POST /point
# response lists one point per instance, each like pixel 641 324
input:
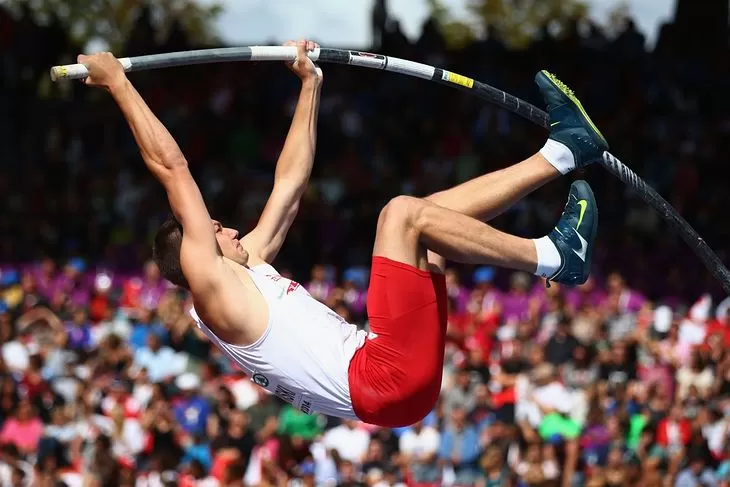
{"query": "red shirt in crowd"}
pixel 670 432
pixel 718 327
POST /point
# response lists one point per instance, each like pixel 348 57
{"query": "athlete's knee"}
pixel 435 197
pixel 403 211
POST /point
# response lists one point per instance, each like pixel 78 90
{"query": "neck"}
pixel 239 269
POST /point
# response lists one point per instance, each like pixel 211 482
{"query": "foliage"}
pixel 110 21
pixel 456 32
pixel 617 18
pixel 515 22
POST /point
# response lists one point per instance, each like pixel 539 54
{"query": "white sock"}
pixel 548 257
pixel 559 156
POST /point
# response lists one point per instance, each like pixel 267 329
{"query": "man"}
pixel 560 347
pixel 419 448
pixel 459 447
pixel 296 347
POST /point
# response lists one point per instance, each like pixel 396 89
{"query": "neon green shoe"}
pixel 574 235
pixel 569 123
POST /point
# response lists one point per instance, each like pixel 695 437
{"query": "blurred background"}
pixel 103 379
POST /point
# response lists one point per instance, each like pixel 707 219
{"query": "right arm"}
pixel 199 257
pixel 200 260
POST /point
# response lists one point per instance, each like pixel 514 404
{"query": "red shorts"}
pixel 395 378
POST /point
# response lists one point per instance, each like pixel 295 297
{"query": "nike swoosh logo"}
pixel 583 206
pixel 554 124
pixel 581 253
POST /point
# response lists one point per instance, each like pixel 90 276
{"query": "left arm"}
pixel 293 167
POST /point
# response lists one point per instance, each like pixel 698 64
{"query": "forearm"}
pixel 157 146
pixel 297 156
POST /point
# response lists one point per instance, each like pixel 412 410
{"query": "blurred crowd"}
pixel 105 380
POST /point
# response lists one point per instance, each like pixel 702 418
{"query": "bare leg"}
pixel 408 224
pixel 488 196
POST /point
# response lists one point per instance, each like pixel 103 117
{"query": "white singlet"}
pixel 304 355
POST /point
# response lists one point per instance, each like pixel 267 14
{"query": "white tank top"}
pixel 304 355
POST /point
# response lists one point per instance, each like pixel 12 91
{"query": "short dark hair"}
pixel 166 252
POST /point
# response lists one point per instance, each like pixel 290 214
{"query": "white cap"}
pixel 700 311
pixel 663 319
pixel 187 382
pixel 15 355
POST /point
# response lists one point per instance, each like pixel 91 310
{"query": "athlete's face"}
pixel 229 244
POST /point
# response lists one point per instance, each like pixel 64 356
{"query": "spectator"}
pixel 101 467
pixel 461 395
pixel 126 435
pixel 320 286
pixel 458 450
pixel 24 429
pixel 458 293
pixel 695 474
pixel 79 331
pixel 562 345
pixel 12 467
pixel 695 373
pixel 534 469
pixel 105 380
pixel 191 410
pixel 674 432
pixel 32 383
pixel 348 475
pixel 236 441
pixel 264 413
pixel 619 368
pixel 419 446
pixel 294 423
pixel 495 470
pixel 374 459
pixel 159 361
pixel 595 440
pixel 58 435
pixel 163 448
pixel 581 371
pixel 325 465
pixel 349 440
pixel 543 395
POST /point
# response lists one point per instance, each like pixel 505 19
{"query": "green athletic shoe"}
pixel 574 236
pixel 569 123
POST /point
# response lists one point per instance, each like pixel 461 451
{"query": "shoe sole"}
pixel 594 228
pixel 576 102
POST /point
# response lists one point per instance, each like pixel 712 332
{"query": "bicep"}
pixel 189 208
pixel 200 258
pixel 203 270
